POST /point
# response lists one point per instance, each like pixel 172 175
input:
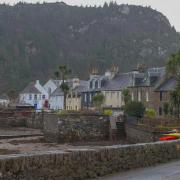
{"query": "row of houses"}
pixel 150 86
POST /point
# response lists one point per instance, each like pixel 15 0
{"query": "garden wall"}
pixel 10 119
pixel 85 163
pixel 14 118
pixel 148 129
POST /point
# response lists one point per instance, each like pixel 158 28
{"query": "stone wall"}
pixel 10 119
pixel 35 121
pixel 13 118
pixel 139 134
pixel 76 127
pixel 85 163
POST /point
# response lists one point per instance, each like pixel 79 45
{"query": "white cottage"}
pixel 35 95
pixel 51 85
pixel 56 100
pixel 4 100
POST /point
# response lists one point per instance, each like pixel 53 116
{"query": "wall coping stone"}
pixel 95 148
pixel 86 163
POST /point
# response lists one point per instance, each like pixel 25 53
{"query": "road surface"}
pixel 170 171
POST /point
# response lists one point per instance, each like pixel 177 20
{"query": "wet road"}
pixel 170 171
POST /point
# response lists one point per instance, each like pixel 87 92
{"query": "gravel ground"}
pixel 18 131
pixel 37 144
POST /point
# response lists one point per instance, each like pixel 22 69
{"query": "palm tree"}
pixel 173 69
pixel 126 96
pixel 63 71
pixel 173 66
pixel 175 99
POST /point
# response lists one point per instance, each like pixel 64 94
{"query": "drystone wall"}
pixel 76 127
pixel 10 119
pixel 136 134
pixel 84 164
pixel 35 121
pixel 14 118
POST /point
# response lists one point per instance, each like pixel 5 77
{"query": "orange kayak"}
pixel 167 138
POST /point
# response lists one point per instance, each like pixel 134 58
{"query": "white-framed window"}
pixel 117 95
pixel 35 97
pixel 30 96
pixel 132 96
pixel 85 97
pixel 90 97
pixel 147 96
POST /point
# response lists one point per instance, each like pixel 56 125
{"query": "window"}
pixel 43 96
pixel 132 96
pixel 91 85
pixel 118 95
pixel 39 97
pixel 96 84
pixel 30 97
pixel 147 96
pixel 160 111
pixel 139 96
pixel 161 96
pixel 90 97
pixel 85 97
pixel 35 97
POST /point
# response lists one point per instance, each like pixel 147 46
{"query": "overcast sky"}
pixel 171 8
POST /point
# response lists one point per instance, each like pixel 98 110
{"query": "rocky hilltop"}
pixel 36 38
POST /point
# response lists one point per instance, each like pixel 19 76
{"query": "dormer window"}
pixel 91 85
pixel 96 84
pixel 99 84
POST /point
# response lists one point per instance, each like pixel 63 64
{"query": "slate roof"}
pixel 119 82
pixel 83 86
pixel 167 85
pixel 57 82
pixel 31 89
pixel 150 78
pixel 57 92
pixel 4 97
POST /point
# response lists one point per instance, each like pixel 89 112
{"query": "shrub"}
pixel 135 109
pixel 150 113
pixel 98 100
pixel 108 112
pixel 166 108
pixel 61 112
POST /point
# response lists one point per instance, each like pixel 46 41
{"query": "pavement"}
pixel 169 171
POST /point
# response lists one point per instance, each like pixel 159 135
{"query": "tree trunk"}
pixel 65 101
pixel 178 112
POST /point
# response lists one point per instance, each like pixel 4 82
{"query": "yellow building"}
pixel 112 90
pixel 73 101
pixel 113 99
pixel 74 98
